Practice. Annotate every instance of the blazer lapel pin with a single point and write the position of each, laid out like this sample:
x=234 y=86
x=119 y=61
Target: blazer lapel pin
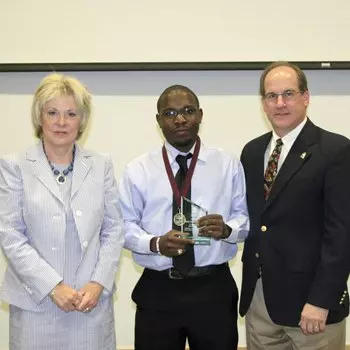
x=303 y=155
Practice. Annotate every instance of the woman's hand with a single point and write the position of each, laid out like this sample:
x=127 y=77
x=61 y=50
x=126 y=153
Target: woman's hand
x=90 y=294
x=65 y=297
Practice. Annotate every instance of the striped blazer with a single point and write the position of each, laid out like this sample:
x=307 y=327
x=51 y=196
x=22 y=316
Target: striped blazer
x=33 y=225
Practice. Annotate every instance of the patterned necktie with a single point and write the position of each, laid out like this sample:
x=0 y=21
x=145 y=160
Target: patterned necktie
x=271 y=169
x=186 y=261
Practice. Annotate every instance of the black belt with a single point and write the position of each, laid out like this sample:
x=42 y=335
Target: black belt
x=196 y=271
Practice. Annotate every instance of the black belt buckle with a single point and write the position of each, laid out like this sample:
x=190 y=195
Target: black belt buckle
x=175 y=274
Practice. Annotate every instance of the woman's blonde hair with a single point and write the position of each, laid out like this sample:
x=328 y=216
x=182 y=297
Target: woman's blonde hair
x=59 y=85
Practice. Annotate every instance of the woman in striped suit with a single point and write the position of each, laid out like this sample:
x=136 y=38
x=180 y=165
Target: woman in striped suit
x=60 y=229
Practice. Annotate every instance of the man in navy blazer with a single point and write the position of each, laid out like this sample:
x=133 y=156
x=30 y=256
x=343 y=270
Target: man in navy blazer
x=296 y=256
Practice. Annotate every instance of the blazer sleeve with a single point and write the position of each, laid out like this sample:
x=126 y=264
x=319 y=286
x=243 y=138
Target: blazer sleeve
x=37 y=276
x=112 y=233
x=333 y=270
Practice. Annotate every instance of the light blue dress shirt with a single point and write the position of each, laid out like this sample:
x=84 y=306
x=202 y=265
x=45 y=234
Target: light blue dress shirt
x=146 y=199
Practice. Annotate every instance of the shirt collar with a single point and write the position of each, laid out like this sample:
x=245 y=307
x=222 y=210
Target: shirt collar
x=174 y=152
x=289 y=138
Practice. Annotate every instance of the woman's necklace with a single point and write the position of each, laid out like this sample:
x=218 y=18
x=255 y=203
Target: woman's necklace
x=61 y=176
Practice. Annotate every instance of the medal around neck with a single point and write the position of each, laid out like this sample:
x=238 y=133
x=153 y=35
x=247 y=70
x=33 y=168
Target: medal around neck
x=179 y=219
x=188 y=224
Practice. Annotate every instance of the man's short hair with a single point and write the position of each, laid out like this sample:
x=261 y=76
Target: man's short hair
x=302 y=81
x=171 y=88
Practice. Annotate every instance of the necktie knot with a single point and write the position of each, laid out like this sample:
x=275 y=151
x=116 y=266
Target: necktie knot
x=277 y=150
x=182 y=161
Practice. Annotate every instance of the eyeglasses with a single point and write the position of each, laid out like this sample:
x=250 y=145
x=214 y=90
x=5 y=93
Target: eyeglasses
x=172 y=113
x=287 y=96
x=54 y=114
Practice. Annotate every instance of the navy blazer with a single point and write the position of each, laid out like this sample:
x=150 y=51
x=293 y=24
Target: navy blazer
x=300 y=236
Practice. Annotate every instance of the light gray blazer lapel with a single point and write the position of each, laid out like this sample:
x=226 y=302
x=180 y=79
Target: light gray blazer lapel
x=82 y=166
x=40 y=167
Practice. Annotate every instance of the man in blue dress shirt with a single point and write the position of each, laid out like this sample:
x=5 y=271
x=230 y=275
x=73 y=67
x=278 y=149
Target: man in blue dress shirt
x=186 y=290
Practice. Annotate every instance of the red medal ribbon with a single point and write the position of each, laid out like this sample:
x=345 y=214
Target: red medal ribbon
x=188 y=178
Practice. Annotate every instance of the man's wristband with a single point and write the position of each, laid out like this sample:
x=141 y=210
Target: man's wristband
x=157 y=245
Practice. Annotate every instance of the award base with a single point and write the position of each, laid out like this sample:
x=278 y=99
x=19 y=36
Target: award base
x=198 y=240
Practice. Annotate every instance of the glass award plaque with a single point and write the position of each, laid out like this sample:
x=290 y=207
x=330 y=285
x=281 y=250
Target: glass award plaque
x=188 y=218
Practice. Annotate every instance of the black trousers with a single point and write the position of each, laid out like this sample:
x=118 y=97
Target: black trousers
x=202 y=310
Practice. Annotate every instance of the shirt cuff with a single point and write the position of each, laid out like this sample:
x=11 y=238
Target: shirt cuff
x=145 y=244
x=236 y=233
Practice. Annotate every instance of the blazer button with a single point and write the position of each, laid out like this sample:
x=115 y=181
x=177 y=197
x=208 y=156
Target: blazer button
x=78 y=212
x=27 y=288
x=85 y=244
x=257 y=255
x=263 y=228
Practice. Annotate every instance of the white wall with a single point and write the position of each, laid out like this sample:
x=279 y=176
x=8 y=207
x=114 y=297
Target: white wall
x=165 y=31
x=124 y=125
